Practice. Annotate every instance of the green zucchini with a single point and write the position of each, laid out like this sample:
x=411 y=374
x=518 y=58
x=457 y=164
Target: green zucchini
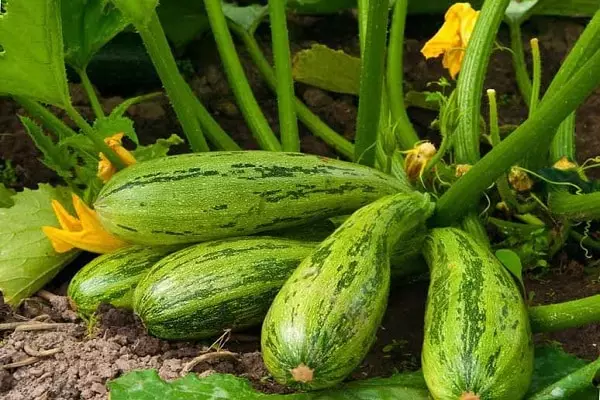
x=323 y=321
x=111 y=278
x=202 y=290
x=478 y=342
x=203 y=196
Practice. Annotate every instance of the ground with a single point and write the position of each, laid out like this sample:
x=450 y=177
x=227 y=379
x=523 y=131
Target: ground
x=87 y=357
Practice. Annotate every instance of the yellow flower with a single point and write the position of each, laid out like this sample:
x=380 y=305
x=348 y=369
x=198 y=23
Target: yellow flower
x=105 y=169
x=519 y=180
x=462 y=169
x=417 y=159
x=564 y=164
x=83 y=232
x=452 y=38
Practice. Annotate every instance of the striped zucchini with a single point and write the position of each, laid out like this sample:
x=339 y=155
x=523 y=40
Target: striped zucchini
x=203 y=196
x=323 y=321
x=111 y=278
x=478 y=342
x=204 y=289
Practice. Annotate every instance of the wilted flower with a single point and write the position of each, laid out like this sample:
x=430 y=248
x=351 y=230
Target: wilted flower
x=564 y=164
x=519 y=180
x=105 y=168
x=417 y=159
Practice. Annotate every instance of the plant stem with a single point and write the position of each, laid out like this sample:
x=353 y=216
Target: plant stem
x=101 y=147
x=371 y=83
x=563 y=144
x=518 y=57
x=585 y=241
x=288 y=124
x=473 y=225
x=470 y=80
x=537 y=75
x=89 y=89
x=308 y=118
x=532 y=133
x=571 y=385
x=216 y=135
x=406 y=134
x=575 y=207
x=570 y=314
x=49 y=120
x=237 y=78
x=177 y=89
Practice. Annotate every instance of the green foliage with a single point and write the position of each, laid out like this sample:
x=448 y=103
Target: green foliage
x=27 y=260
x=137 y=12
x=159 y=149
x=87 y=25
x=182 y=20
x=108 y=126
x=512 y=263
x=320 y=6
x=6 y=197
x=31 y=52
x=8 y=175
x=248 y=17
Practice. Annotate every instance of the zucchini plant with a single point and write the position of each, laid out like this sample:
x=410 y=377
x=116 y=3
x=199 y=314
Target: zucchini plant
x=323 y=298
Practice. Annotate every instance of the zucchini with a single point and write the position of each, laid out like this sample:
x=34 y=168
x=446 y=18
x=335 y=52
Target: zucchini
x=323 y=321
x=197 y=197
x=478 y=342
x=111 y=278
x=202 y=290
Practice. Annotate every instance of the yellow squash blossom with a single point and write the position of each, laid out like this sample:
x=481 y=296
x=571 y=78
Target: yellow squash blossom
x=564 y=164
x=417 y=159
x=452 y=38
x=105 y=169
x=83 y=232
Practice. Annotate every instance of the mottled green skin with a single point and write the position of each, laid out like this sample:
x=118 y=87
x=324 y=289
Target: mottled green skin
x=202 y=290
x=327 y=314
x=111 y=278
x=477 y=333
x=203 y=196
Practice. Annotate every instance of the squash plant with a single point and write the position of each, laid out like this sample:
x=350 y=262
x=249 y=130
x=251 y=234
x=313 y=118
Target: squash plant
x=322 y=322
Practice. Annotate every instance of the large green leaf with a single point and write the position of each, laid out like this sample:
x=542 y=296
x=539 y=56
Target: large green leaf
x=87 y=26
x=27 y=259
x=6 y=197
x=31 y=52
x=183 y=20
x=137 y=12
x=248 y=17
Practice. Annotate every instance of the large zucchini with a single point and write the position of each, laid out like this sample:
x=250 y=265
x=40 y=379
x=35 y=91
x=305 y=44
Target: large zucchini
x=478 y=342
x=203 y=196
x=111 y=278
x=204 y=289
x=324 y=320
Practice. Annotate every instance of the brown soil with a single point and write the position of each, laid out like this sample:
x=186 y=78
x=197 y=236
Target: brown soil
x=118 y=343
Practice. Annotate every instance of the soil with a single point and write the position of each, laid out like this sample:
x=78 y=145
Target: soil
x=88 y=357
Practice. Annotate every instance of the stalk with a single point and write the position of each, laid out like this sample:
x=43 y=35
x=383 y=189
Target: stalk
x=237 y=78
x=89 y=89
x=177 y=89
x=563 y=144
x=473 y=225
x=470 y=80
x=537 y=75
x=288 y=124
x=571 y=385
x=570 y=314
x=49 y=120
x=406 y=134
x=532 y=133
x=518 y=58
x=575 y=207
x=308 y=118
x=371 y=82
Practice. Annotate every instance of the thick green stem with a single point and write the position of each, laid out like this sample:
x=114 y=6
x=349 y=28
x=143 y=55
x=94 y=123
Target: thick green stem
x=49 y=120
x=237 y=78
x=563 y=144
x=101 y=147
x=371 y=82
x=216 y=135
x=570 y=314
x=473 y=225
x=308 y=118
x=536 y=132
x=177 y=89
x=405 y=132
x=89 y=89
x=288 y=124
x=470 y=80
x=518 y=58
x=571 y=385
x=575 y=207
x=537 y=75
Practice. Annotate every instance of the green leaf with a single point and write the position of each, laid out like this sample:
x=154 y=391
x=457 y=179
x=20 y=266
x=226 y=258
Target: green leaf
x=88 y=25
x=159 y=149
x=31 y=52
x=108 y=126
x=122 y=108
x=512 y=262
x=146 y=385
x=6 y=196
x=27 y=260
x=248 y=17
x=183 y=20
x=137 y=12
x=327 y=69
x=320 y=6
